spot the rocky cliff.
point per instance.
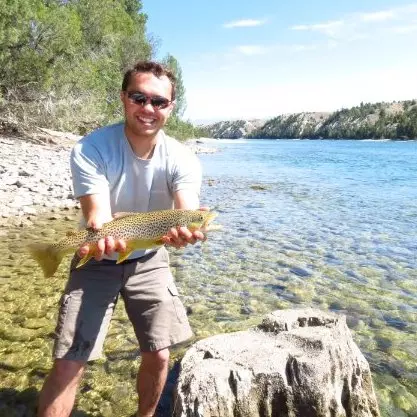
(396, 120)
(233, 129)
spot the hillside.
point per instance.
(233, 129)
(396, 120)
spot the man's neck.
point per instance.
(142, 146)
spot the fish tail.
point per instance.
(47, 257)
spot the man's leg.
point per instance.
(85, 311)
(151, 379)
(159, 320)
(58, 392)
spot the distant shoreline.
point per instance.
(395, 120)
(319, 139)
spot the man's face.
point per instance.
(144, 120)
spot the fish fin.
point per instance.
(87, 257)
(133, 245)
(47, 257)
(212, 228)
(122, 214)
(192, 227)
(123, 256)
(71, 232)
(84, 259)
(209, 228)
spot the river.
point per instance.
(324, 224)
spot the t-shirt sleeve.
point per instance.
(87, 168)
(187, 173)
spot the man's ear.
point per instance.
(122, 96)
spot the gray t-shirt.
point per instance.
(103, 163)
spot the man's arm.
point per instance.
(186, 199)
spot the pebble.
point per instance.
(33, 178)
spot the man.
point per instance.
(130, 166)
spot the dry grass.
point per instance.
(69, 113)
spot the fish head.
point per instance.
(201, 219)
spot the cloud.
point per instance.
(357, 26)
(301, 48)
(331, 28)
(252, 49)
(377, 16)
(403, 30)
(244, 23)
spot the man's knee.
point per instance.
(158, 359)
(67, 371)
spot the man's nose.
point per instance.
(148, 107)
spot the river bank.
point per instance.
(35, 175)
(34, 178)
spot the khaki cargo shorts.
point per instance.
(151, 300)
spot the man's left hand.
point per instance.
(181, 237)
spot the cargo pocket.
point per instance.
(178, 306)
(63, 313)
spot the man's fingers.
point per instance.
(173, 233)
(200, 236)
(109, 245)
(182, 236)
(94, 225)
(166, 240)
(186, 235)
(83, 251)
(120, 246)
(101, 247)
(175, 238)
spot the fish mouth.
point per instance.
(210, 217)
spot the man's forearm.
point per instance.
(185, 199)
(96, 210)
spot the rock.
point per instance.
(29, 210)
(296, 363)
(199, 147)
(24, 173)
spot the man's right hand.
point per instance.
(105, 246)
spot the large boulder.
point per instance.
(296, 363)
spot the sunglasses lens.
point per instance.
(159, 102)
(141, 99)
(138, 98)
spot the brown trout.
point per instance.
(139, 230)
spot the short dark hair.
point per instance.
(152, 67)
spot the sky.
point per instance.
(247, 59)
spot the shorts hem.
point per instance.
(68, 356)
(159, 345)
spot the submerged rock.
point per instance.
(296, 363)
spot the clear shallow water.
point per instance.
(325, 224)
(328, 224)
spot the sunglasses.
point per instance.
(157, 102)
